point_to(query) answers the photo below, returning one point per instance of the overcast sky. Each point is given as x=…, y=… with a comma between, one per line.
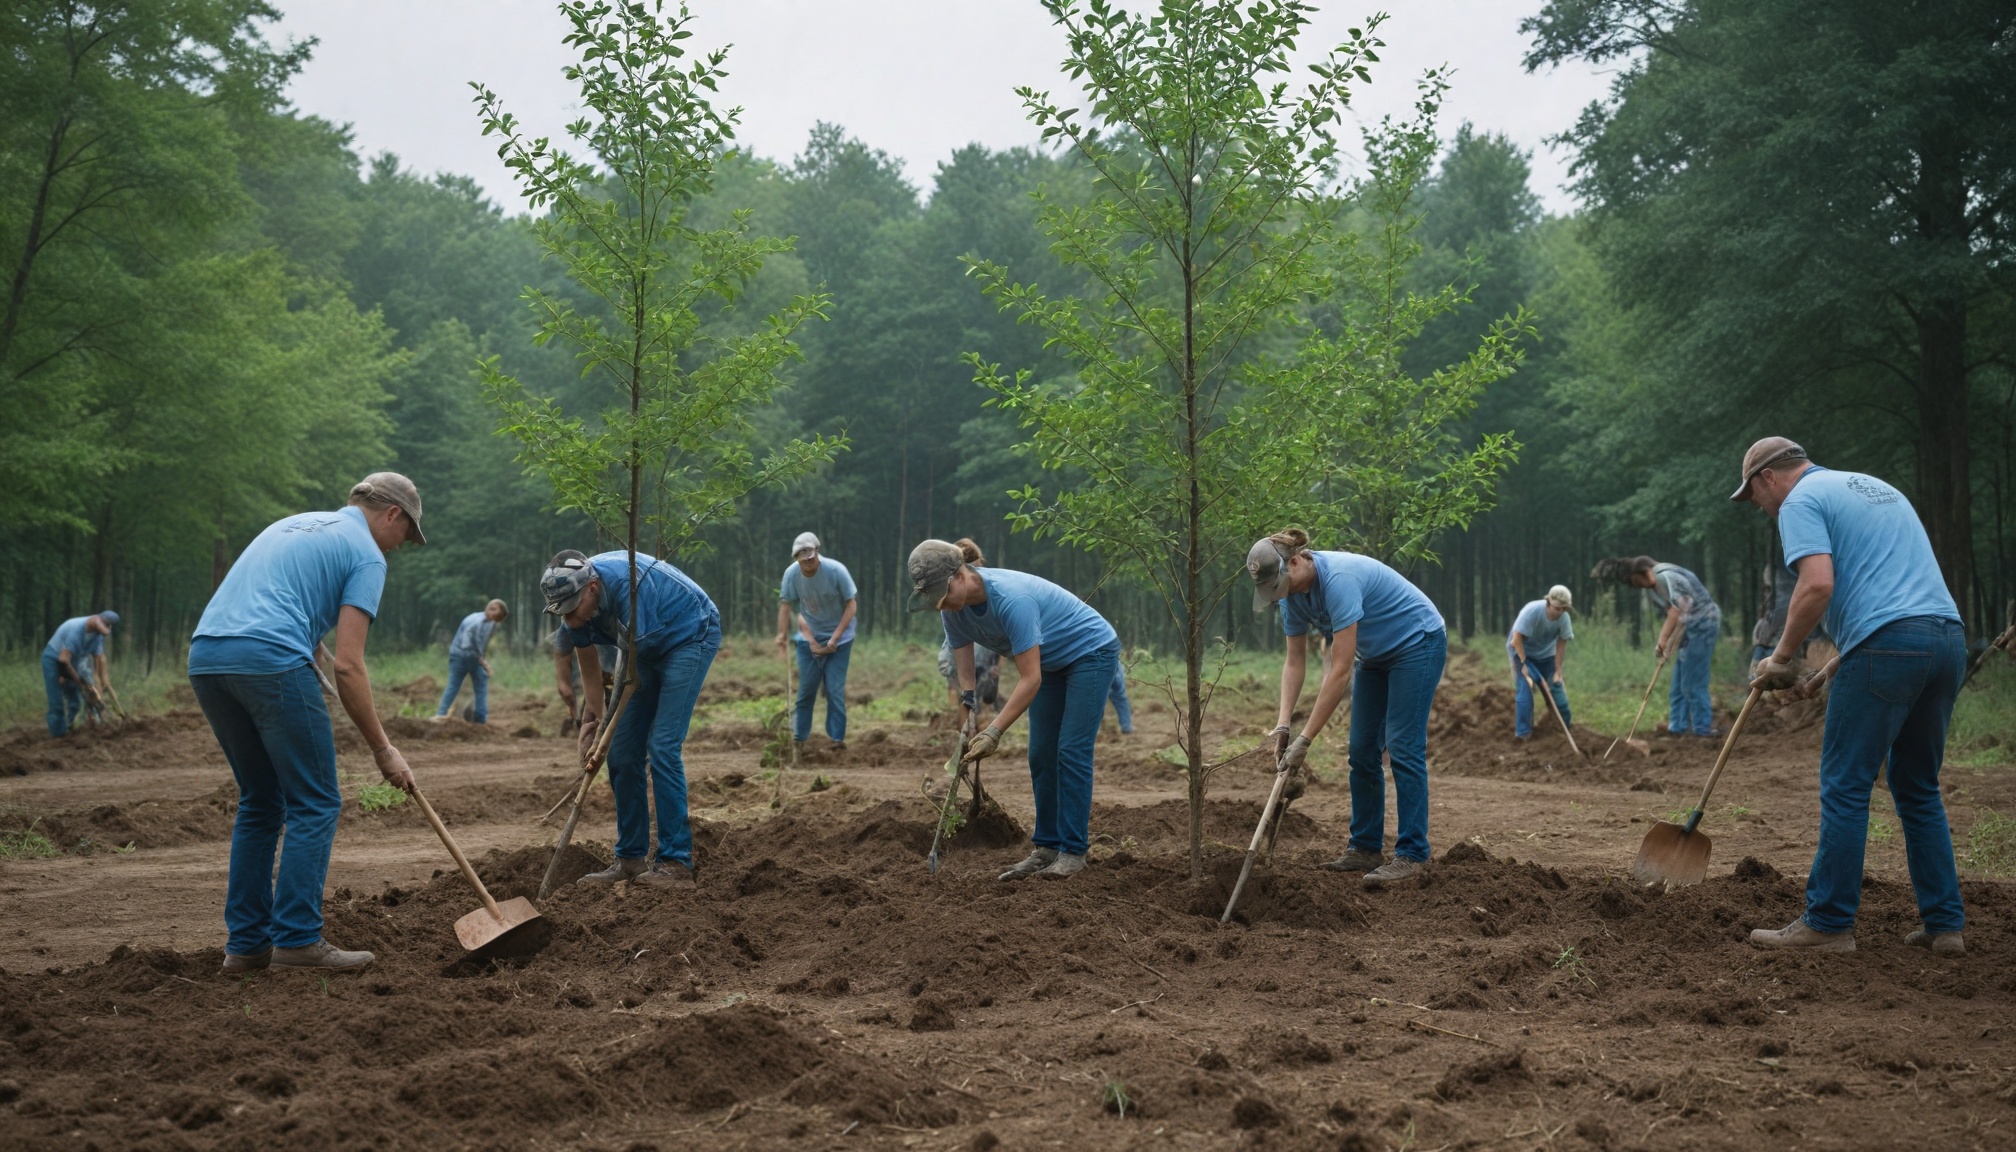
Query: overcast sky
x=915, y=78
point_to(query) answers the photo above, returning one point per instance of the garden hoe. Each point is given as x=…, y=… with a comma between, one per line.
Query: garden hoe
x=592, y=765
x=494, y=931
x=1545, y=690
x=958, y=771
x=1677, y=853
x=1626, y=739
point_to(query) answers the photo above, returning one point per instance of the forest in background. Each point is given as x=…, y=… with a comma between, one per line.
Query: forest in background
x=1794, y=218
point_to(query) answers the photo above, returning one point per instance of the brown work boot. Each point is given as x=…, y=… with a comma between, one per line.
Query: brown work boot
x=1391, y=872
x=665, y=874
x=620, y=870
x=1941, y=943
x=1355, y=861
x=320, y=954
x=1800, y=934
x=234, y=964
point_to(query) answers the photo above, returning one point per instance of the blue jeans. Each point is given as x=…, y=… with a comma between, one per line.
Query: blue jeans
x=1690, y=707
x=1522, y=716
x=829, y=671
x=1063, y=727
x=274, y=730
x=651, y=737
x=471, y=667
x=65, y=700
x=1389, y=718
x=1117, y=696
x=1891, y=699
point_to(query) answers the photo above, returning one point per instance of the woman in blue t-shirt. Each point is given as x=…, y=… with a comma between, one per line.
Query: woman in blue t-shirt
x=1372, y=613
x=1065, y=654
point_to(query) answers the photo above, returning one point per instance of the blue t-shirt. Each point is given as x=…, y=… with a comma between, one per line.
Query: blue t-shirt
x=1673, y=585
x=1353, y=589
x=1539, y=631
x=81, y=641
x=1023, y=612
x=1884, y=569
x=671, y=609
x=472, y=636
x=820, y=598
x=284, y=592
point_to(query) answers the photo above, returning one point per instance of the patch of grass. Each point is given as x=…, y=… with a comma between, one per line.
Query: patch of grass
x=1734, y=810
x=1116, y=1098
x=1678, y=816
x=1881, y=831
x=27, y=844
x=380, y=796
x=1991, y=843
x=1572, y=963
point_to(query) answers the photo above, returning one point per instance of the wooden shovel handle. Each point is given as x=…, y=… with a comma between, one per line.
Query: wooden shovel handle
x=1728, y=746
x=1246, y=869
x=455, y=850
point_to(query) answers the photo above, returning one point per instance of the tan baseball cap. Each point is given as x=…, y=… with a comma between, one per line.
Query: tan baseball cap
x=1561, y=597
x=392, y=488
x=1763, y=454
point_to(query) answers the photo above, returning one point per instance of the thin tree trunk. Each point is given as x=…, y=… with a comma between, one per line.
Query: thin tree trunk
x=1193, y=597
x=1946, y=495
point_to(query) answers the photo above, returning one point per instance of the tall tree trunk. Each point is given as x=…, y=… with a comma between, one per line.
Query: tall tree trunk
x=101, y=562
x=1945, y=491
x=1193, y=596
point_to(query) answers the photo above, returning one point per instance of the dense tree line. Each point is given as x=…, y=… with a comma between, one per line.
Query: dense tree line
x=1795, y=219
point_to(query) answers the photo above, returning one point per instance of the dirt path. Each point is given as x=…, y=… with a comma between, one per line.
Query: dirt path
x=820, y=989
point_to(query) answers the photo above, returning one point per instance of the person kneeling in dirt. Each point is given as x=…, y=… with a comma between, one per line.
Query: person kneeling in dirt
x=1065, y=654
x=468, y=658
x=1866, y=564
x=64, y=677
x=252, y=665
x=1538, y=646
x=1399, y=643
x=678, y=631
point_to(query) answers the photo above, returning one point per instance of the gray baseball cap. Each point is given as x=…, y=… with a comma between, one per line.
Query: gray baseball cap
x=563, y=582
x=392, y=488
x=1267, y=563
x=109, y=617
x=932, y=566
x=806, y=542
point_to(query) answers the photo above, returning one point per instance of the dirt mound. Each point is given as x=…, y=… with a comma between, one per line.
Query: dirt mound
x=167, y=738
x=715, y=1059
x=140, y=824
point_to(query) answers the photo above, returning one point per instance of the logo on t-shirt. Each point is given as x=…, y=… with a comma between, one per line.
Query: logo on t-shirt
x=317, y=525
x=1874, y=491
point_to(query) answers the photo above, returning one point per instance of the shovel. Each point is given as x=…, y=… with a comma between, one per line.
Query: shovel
x=1246, y=869
x=958, y=771
x=494, y=931
x=1642, y=701
x=1544, y=690
x=1678, y=854
x=588, y=771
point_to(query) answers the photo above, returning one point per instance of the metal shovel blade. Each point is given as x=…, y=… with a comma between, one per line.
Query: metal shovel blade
x=1672, y=854
x=521, y=931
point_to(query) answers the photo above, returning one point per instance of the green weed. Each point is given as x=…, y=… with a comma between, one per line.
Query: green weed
x=1991, y=844
x=1734, y=810
x=380, y=796
x=1881, y=831
x=820, y=783
x=1572, y=963
x=27, y=844
x=1116, y=1099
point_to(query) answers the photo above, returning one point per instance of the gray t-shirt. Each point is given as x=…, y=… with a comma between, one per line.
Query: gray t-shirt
x=1673, y=585
x=1540, y=632
x=820, y=598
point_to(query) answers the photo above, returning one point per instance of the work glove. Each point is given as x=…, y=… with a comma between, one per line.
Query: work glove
x=1280, y=736
x=969, y=699
x=392, y=766
x=1774, y=673
x=1293, y=756
x=982, y=745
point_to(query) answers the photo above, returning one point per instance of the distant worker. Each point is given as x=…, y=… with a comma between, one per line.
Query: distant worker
x=468, y=657
x=1538, y=645
x=1397, y=639
x=63, y=676
x=1774, y=599
x=1116, y=695
x=252, y=665
x=1064, y=654
x=1866, y=566
x=1692, y=625
x=678, y=632
x=816, y=603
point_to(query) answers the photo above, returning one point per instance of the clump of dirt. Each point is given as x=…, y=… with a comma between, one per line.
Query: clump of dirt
x=177, y=737
x=715, y=1059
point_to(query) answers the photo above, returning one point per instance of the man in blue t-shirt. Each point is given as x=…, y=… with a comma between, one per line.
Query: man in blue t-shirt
x=252, y=665
x=1866, y=565
x=65, y=672
x=1538, y=647
x=468, y=657
x=677, y=633
x=818, y=596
